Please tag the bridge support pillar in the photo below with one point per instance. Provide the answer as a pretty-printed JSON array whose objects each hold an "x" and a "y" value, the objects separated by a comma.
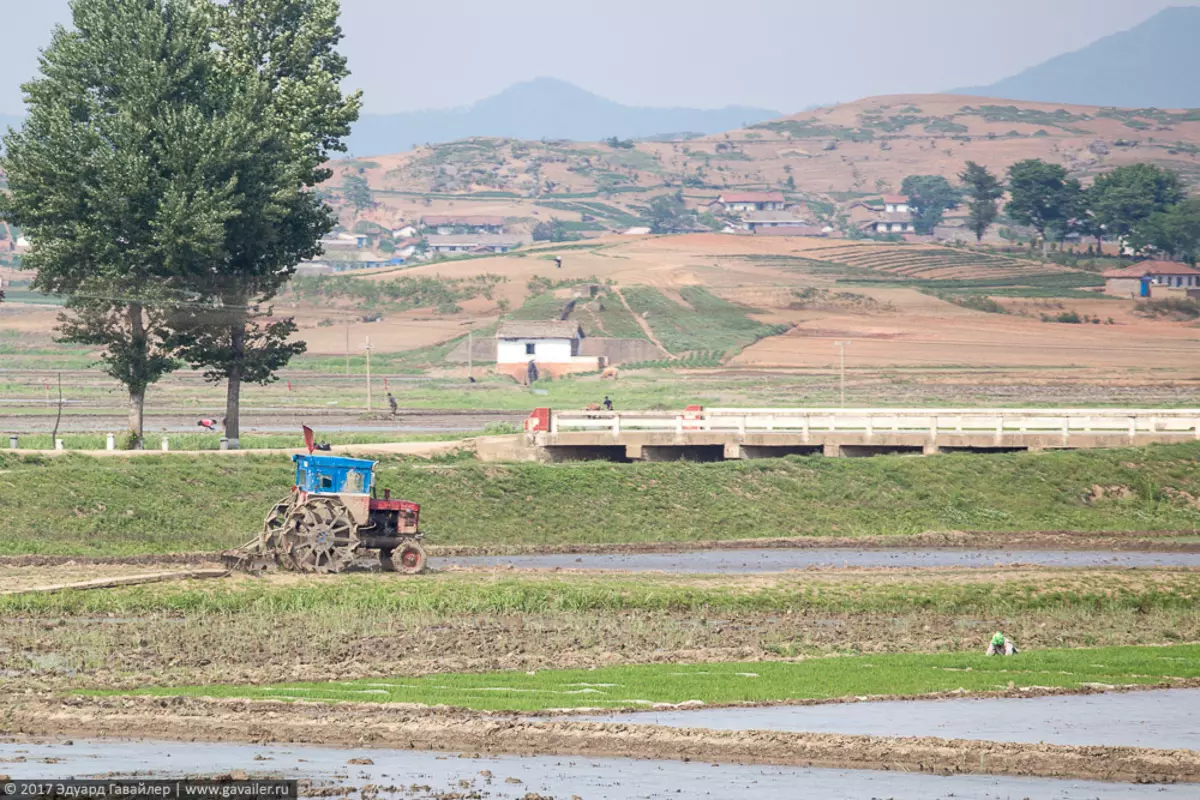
[
  {"x": 634, "y": 452},
  {"x": 833, "y": 450},
  {"x": 733, "y": 451},
  {"x": 931, "y": 450}
]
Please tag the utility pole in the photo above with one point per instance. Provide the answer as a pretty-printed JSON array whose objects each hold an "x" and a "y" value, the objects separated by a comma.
[
  {"x": 842, "y": 390},
  {"x": 470, "y": 353},
  {"x": 368, "y": 374},
  {"x": 347, "y": 348}
]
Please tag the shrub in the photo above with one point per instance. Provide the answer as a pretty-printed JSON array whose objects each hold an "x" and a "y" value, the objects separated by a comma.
[{"x": 1179, "y": 308}]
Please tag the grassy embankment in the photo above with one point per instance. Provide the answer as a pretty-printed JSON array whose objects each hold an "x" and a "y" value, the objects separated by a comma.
[
  {"x": 815, "y": 679},
  {"x": 157, "y": 504}
]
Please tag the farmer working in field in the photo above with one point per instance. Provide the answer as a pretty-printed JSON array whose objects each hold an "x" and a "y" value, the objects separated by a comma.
[
  {"x": 1001, "y": 645},
  {"x": 208, "y": 424}
]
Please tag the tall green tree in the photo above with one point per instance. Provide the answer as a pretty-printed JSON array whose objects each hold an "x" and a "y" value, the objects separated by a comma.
[
  {"x": 117, "y": 176},
  {"x": 667, "y": 214},
  {"x": 282, "y": 54},
  {"x": 1039, "y": 195},
  {"x": 357, "y": 192},
  {"x": 1073, "y": 216},
  {"x": 929, "y": 197},
  {"x": 1174, "y": 231},
  {"x": 983, "y": 190},
  {"x": 1123, "y": 199}
]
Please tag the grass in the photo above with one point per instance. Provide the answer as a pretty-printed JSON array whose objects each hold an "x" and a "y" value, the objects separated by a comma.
[
  {"x": 81, "y": 505},
  {"x": 637, "y": 686},
  {"x": 212, "y": 441}
]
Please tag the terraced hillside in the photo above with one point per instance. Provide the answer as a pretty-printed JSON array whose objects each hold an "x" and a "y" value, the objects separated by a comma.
[{"x": 931, "y": 262}]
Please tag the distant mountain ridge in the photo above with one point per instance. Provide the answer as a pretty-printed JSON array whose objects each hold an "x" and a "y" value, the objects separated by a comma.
[
  {"x": 544, "y": 108},
  {"x": 1151, "y": 65}
]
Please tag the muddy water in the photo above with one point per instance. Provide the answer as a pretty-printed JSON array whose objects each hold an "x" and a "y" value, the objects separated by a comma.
[
  {"x": 1164, "y": 719},
  {"x": 425, "y": 774},
  {"x": 780, "y": 560}
]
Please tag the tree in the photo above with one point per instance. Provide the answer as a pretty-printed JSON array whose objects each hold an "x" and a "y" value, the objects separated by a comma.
[
  {"x": 1126, "y": 197},
  {"x": 118, "y": 177},
  {"x": 667, "y": 214},
  {"x": 1039, "y": 195},
  {"x": 1073, "y": 216},
  {"x": 357, "y": 192},
  {"x": 280, "y": 58},
  {"x": 1175, "y": 231},
  {"x": 929, "y": 196},
  {"x": 553, "y": 231},
  {"x": 983, "y": 192}
]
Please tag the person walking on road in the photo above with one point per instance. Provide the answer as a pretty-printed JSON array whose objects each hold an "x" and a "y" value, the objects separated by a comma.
[
  {"x": 392, "y": 404},
  {"x": 607, "y": 403}
]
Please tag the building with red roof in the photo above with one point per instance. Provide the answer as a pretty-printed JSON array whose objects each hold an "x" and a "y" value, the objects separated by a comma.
[{"x": 1155, "y": 279}]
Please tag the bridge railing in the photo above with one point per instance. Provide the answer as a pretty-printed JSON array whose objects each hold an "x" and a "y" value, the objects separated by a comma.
[{"x": 932, "y": 422}]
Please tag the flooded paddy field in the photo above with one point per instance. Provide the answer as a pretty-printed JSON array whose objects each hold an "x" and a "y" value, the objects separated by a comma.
[
  {"x": 782, "y": 560},
  {"x": 1161, "y": 719},
  {"x": 426, "y": 774}
]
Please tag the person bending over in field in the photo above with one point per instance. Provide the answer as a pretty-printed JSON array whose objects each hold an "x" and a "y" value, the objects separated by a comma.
[{"x": 1001, "y": 645}]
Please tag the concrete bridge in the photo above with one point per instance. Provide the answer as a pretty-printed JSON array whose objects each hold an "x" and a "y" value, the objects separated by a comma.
[{"x": 734, "y": 433}]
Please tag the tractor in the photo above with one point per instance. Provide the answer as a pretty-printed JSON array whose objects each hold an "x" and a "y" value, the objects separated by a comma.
[{"x": 331, "y": 516}]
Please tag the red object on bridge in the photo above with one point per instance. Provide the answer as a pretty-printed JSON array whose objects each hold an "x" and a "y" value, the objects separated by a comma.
[
  {"x": 539, "y": 420},
  {"x": 693, "y": 415}
]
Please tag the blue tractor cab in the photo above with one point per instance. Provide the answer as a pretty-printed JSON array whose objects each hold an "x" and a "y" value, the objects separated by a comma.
[{"x": 334, "y": 475}]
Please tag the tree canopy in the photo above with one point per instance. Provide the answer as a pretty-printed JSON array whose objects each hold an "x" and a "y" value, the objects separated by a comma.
[
  {"x": 983, "y": 190},
  {"x": 929, "y": 197},
  {"x": 1040, "y": 195}
]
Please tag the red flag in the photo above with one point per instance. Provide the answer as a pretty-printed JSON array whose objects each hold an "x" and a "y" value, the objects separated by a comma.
[
  {"x": 289, "y": 386},
  {"x": 309, "y": 442}
]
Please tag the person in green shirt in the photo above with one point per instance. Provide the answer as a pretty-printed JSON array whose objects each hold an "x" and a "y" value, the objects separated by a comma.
[{"x": 1001, "y": 645}]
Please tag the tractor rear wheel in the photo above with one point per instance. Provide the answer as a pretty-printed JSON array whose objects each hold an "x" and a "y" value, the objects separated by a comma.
[
  {"x": 271, "y": 542},
  {"x": 408, "y": 558},
  {"x": 321, "y": 536}
]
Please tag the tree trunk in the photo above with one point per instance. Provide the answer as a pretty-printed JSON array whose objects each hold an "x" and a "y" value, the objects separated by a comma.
[
  {"x": 137, "y": 388},
  {"x": 233, "y": 394},
  {"x": 137, "y": 401}
]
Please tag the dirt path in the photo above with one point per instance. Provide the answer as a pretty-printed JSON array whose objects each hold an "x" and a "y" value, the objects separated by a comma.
[
  {"x": 645, "y": 326},
  {"x": 194, "y": 719}
]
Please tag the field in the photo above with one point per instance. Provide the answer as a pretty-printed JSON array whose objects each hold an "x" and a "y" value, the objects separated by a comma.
[
  {"x": 732, "y": 683},
  {"x": 165, "y": 504}
]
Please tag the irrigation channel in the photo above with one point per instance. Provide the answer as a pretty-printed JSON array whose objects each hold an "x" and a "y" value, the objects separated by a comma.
[
  {"x": 1163, "y": 719},
  {"x": 781, "y": 560},
  {"x": 423, "y": 774}
]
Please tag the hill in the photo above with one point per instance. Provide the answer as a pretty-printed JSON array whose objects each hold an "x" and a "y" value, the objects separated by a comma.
[
  {"x": 1152, "y": 64},
  {"x": 827, "y": 157},
  {"x": 544, "y": 108}
]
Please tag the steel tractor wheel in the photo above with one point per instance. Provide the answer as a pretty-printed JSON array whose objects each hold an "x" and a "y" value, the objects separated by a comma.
[
  {"x": 321, "y": 536},
  {"x": 408, "y": 558},
  {"x": 272, "y": 541}
]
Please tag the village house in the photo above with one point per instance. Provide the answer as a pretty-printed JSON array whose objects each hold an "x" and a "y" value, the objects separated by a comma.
[
  {"x": 896, "y": 204},
  {"x": 472, "y": 243},
  {"x": 757, "y": 221},
  {"x": 1153, "y": 279},
  {"x": 406, "y": 232},
  {"x": 445, "y": 224},
  {"x": 752, "y": 201},
  {"x": 552, "y": 346}
]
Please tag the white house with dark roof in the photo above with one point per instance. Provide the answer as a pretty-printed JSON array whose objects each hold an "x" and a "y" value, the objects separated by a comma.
[
  {"x": 753, "y": 201},
  {"x": 552, "y": 345}
]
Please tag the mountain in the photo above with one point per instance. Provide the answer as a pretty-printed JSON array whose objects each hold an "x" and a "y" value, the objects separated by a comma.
[
  {"x": 1152, "y": 65},
  {"x": 544, "y": 108}
]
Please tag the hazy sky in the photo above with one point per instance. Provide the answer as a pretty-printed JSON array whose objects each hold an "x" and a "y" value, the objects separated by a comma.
[{"x": 780, "y": 54}]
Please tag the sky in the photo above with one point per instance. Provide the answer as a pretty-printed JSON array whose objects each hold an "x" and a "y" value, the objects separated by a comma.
[{"x": 784, "y": 55}]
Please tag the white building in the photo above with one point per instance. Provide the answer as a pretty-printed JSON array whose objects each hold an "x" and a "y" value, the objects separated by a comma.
[
  {"x": 552, "y": 345},
  {"x": 896, "y": 204},
  {"x": 756, "y": 221},
  {"x": 473, "y": 243},
  {"x": 407, "y": 232},
  {"x": 753, "y": 201}
]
